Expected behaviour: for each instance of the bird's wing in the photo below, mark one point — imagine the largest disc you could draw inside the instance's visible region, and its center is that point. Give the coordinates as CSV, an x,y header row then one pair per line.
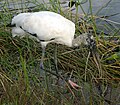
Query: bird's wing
x,y
18,20
46,27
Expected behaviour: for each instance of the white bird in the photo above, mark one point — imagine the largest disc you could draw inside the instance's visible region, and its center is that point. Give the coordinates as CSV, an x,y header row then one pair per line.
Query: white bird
x,y
47,27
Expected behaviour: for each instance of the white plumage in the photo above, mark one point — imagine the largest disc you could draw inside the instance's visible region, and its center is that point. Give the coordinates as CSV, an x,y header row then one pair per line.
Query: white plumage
x,y
47,27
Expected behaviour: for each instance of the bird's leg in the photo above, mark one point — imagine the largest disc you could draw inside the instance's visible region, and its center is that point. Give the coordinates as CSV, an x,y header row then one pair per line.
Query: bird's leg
x,y
55,59
43,54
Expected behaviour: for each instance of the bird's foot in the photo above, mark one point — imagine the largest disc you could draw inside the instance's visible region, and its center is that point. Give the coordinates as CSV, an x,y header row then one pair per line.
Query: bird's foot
x,y
74,85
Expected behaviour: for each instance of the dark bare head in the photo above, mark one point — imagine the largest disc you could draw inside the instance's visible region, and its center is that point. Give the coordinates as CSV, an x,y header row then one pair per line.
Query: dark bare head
x,y
85,39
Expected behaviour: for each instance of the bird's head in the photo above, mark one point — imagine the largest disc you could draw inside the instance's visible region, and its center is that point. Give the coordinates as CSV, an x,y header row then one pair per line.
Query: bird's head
x,y
85,39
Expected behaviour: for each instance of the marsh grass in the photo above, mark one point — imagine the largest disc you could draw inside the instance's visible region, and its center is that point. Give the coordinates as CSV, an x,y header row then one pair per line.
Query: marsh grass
x,y
22,82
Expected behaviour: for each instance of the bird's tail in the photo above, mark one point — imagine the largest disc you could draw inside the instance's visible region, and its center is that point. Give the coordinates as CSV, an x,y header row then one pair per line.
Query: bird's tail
x,y
10,25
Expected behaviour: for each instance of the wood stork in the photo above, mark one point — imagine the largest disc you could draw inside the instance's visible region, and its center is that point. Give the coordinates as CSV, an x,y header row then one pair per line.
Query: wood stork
x,y
47,27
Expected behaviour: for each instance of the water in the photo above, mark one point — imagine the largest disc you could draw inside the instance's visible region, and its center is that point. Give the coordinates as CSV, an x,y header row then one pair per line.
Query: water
x,y
109,8
101,8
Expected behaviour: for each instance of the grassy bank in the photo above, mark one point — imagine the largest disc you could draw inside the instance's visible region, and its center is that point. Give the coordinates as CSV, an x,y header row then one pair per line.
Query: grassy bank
x,y
23,83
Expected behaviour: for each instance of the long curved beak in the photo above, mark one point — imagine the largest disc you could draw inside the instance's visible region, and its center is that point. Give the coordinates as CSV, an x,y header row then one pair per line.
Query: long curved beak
x,y
91,42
